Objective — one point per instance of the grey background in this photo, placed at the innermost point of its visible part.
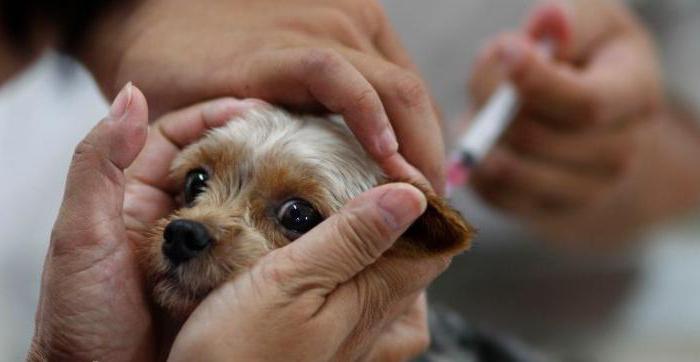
(637, 307)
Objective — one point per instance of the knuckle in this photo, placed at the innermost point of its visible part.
(323, 60)
(360, 235)
(60, 241)
(410, 89)
(89, 158)
(366, 99)
(85, 151)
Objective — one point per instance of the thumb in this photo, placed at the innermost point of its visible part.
(349, 241)
(94, 193)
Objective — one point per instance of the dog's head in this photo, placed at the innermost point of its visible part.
(257, 184)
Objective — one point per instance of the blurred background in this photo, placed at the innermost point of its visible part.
(640, 306)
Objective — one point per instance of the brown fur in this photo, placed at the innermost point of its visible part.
(440, 230)
(245, 189)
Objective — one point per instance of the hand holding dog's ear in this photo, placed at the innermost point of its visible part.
(330, 295)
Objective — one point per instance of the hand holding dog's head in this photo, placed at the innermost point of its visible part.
(258, 184)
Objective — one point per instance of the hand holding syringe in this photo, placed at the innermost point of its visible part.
(487, 127)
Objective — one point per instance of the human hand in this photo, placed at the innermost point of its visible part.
(330, 295)
(404, 331)
(92, 304)
(570, 164)
(338, 56)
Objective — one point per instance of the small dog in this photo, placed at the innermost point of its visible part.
(257, 184)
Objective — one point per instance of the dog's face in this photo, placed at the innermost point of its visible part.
(257, 184)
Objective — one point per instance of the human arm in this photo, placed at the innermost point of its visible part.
(598, 152)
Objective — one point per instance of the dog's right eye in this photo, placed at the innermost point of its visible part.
(195, 184)
(297, 217)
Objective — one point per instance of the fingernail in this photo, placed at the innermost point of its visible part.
(121, 102)
(401, 206)
(511, 54)
(386, 143)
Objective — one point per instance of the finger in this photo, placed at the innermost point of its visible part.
(625, 73)
(299, 77)
(488, 71)
(148, 180)
(541, 185)
(577, 27)
(94, 193)
(385, 291)
(554, 21)
(409, 106)
(589, 154)
(569, 98)
(554, 89)
(394, 336)
(177, 130)
(398, 169)
(615, 57)
(347, 242)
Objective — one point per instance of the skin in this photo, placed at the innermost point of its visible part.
(330, 294)
(598, 151)
(338, 56)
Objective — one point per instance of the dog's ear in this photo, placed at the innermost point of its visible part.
(440, 230)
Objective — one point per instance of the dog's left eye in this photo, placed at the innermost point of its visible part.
(195, 184)
(298, 217)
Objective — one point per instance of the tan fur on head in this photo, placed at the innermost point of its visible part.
(255, 165)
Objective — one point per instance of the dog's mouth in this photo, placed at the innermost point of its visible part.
(174, 293)
(198, 293)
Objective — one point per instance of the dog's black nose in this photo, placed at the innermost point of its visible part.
(184, 239)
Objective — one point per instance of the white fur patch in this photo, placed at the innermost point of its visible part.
(326, 145)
